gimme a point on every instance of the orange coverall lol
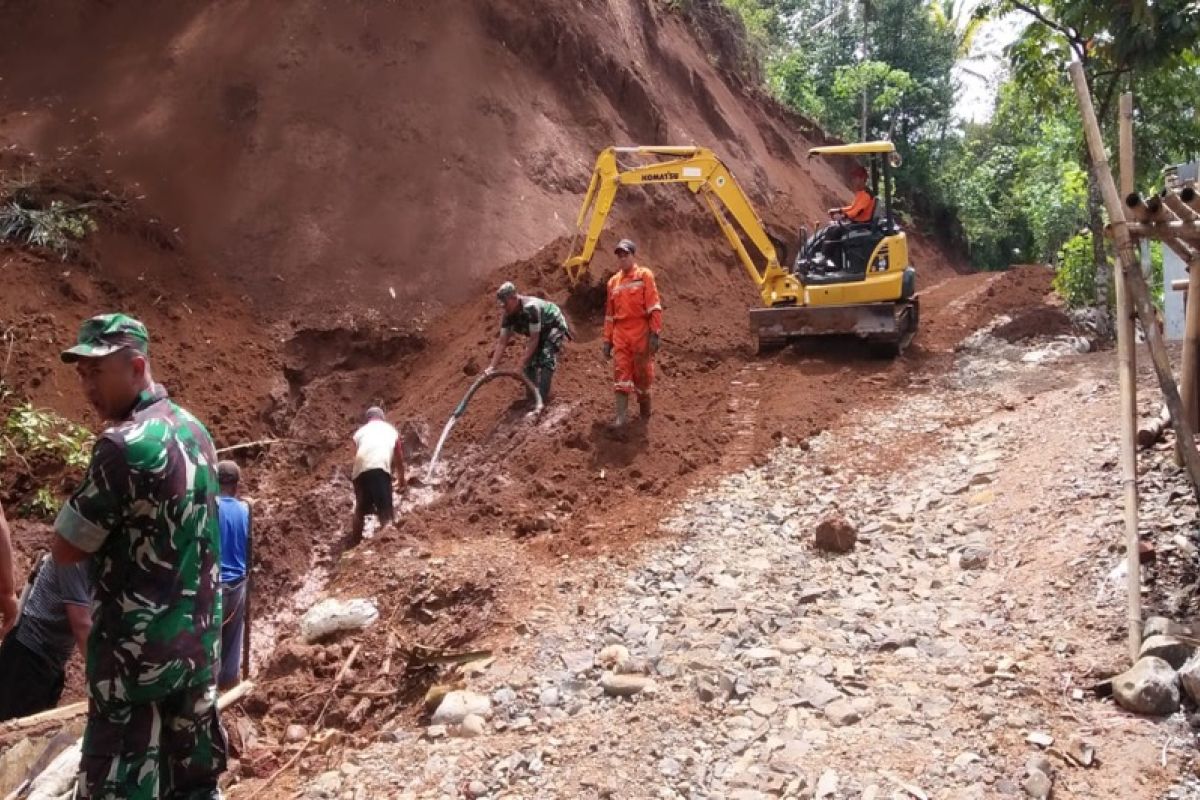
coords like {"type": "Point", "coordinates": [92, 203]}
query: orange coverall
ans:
{"type": "Point", "coordinates": [633, 311]}
{"type": "Point", "coordinates": [861, 208]}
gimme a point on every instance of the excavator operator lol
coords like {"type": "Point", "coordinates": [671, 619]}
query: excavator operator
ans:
{"type": "Point", "coordinates": [632, 326]}
{"type": "Point", "coordinates": [860, 210]}
{"type": "Point", "coordinates": [862, 207]}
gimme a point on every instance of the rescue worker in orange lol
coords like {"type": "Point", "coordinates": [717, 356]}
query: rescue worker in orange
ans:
{"type": "Point", "coordinates": [862, 207]}
{"type": "Point", "coordinates": [632, 330]}
{"type": "Point", "coordinates": [860, 210]}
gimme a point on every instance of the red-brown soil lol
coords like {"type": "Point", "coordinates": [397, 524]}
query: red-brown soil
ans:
{"type": "Point", "coordinates": [1034, 322]}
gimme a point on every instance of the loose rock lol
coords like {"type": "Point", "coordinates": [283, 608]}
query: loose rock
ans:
{"type": "Point", "coordinates": [613, 655]}
{"type": "Point", "coordinates": [974, 557]}
{"type": "Point", "coordinates": [1174, 651]}
{"type": "Point", "coordinates": [624, 685]}
{"type": "Point", "coordinates": [841, 713]}
{"type": "Point", "coordinates": [472, 726]}
{"type": "Point", "coordinates": [1150, 687]}
{"type": "Point", "coordinates": [835, 535]}
{"type": "Point", "coordinates": [1189, 678]}
{"type": "Point", "coordinates": [455, 707]}
{"type": "Point", "coordinates": [1037, 785]}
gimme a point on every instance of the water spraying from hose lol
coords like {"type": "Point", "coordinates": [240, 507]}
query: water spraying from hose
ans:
{"type": "Point", "coordinates": [461, 409]}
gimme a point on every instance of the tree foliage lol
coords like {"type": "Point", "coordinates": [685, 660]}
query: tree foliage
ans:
{"type": "Point", "coordinates": [1016, 188]}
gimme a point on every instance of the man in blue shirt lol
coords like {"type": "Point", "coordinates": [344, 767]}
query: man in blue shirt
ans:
{"type": "Point", "coordinates": [235, 522]}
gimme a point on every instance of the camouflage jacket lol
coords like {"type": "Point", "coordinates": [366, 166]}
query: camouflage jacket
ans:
{"type": "Point", "coordinates": [147, 511]}
{"type": "Point", "coordinates": [535, 317]}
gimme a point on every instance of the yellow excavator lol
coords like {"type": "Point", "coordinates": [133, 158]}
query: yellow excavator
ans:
{"type": "Point", "coordinates": [846, 279]}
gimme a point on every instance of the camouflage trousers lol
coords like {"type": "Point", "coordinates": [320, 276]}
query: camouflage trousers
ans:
{"type": "Point", "coordinates": [172, 748]}
{"type": "Point", "coordinates": [540, 369]}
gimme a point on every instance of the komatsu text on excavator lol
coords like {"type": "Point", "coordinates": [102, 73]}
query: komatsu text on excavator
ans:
{"type": "Point", "coordinates": [848, 278]}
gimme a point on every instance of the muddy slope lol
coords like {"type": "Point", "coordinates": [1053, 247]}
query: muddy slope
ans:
{"type": "Point", "coordinates": [316, 158]}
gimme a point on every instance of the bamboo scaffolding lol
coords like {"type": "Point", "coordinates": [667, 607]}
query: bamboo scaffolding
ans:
{"type": "Point", "coordinates": [1166, 228]}
{"type": "Point", "coordinates": [1136, 283]}
{"type": "Point", "coordinates": [1190, 198]}
{"type": "Point", "coordinates": [1180, 209]}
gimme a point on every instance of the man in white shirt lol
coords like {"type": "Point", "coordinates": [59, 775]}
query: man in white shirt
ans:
{"type": "Point", "coordinates": [377, 450]}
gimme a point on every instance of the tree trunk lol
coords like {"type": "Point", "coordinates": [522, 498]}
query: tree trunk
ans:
{"type": "Point", "coordinates": [1099, 252]}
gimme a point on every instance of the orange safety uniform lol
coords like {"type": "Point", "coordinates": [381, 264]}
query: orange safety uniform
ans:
{"type": "Point", "coordinates": [862, 207]}
{"type": "Point", "coordinates": [633, 311]}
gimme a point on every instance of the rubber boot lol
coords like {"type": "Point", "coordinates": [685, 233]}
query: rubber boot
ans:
{"type": "Point", "coordinates": [644, 405]}
{"type": "Point", "coordinates": [545, 378]}
{"type": "Point", "coordinates": [531, 372]}
{"type": "Point", "coordinates": [622, 410]}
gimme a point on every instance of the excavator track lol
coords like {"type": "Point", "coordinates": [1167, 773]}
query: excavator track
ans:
{"type": "Point", "coordinates": [887, 328]}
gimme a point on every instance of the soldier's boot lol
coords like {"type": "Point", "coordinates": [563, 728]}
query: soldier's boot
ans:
{"type": "Point", "coordinates": [545, 379]}
{"type": "Point", "coordinates": [644, 405]}
{"type": "Point", "coordinates": [531, 374]}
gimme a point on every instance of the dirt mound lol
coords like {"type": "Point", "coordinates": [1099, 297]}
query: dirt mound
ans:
{"type": "Point", "coordinates": [1034, 322]}
{"type": "Point", "coordinates": [965, 303]}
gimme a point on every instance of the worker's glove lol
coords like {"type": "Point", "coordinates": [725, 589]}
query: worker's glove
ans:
{"type": "Point", "coordinates": [655, 343]}
{"type": "Point", "coordinates": [607, 350]}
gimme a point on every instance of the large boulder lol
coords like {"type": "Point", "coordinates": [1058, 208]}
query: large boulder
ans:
{"type": "Point", "coordinates": [1171, 650]}
{"type": "Point", "coordinates": [1189, 678]}
{"type": "Point", "coordinates": [1161, 626]}
{"type": "Point", "coordinates": [1149, 687]}
{"type": "Point", "coordinates": [835, 535]}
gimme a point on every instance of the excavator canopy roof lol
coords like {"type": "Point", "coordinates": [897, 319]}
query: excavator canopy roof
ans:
{"type": "Point", "coordinates": [857, 149]}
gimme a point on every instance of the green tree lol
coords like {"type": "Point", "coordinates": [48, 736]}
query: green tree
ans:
{"type": "Point", "coordinates": [1117, 42]}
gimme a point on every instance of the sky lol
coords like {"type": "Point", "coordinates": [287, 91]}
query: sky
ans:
{"type": "Point", "coordinates": [979, 77]}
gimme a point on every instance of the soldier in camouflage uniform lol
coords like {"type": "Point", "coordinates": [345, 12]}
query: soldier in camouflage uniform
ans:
{"type": "Point", "coordinates": [146, 515]}
{"type": "Point", "coordinates": [540, 320]}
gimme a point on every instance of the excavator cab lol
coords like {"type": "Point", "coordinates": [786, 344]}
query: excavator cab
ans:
{"type": "Point", "coordinates": [863, 262]}
{"type": "Point", "coordinates": [866, 290]}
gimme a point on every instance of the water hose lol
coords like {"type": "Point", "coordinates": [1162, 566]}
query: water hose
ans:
{"type": "Point", "coordinates": [461, 408]}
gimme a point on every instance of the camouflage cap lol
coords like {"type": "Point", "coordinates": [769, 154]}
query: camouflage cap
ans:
{"type": "Point", "coordinates": [625, 245]}
{"type": "Point", "coordinates": [105, 334]}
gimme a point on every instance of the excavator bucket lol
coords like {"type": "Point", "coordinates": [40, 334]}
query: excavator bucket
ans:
{"type": "Point", "coordinates": [886, 327]}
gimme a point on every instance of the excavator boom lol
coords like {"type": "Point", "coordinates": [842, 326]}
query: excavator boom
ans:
{"type": "Point", "coordinates": [702, 173]}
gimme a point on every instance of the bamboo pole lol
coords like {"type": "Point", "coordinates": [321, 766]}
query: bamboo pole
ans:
{"type": "Point", "coordinates": [1155, 215]}
{"type": "Point", "coordinates": [25, 727]}
{"type": "Point", "coordinates": [1136, 282]}
{"type": "Point", "coordinates": [1180, 208]}
{"type": "Point", "coordinates": [1127, 381]}
{"type": "Point", "coordinates": [1188, 231]}
{"type": "Point", "coordinates": [1155, 210]}
{"type": "Point", "coordinates": [1190, 197]}
{"type": "Point", "coordinates": [1184, 250]}
{"type": "Point", "coordinates": [1188, 376]}
{"type": "Point", "coordinates": [1136, 207]}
